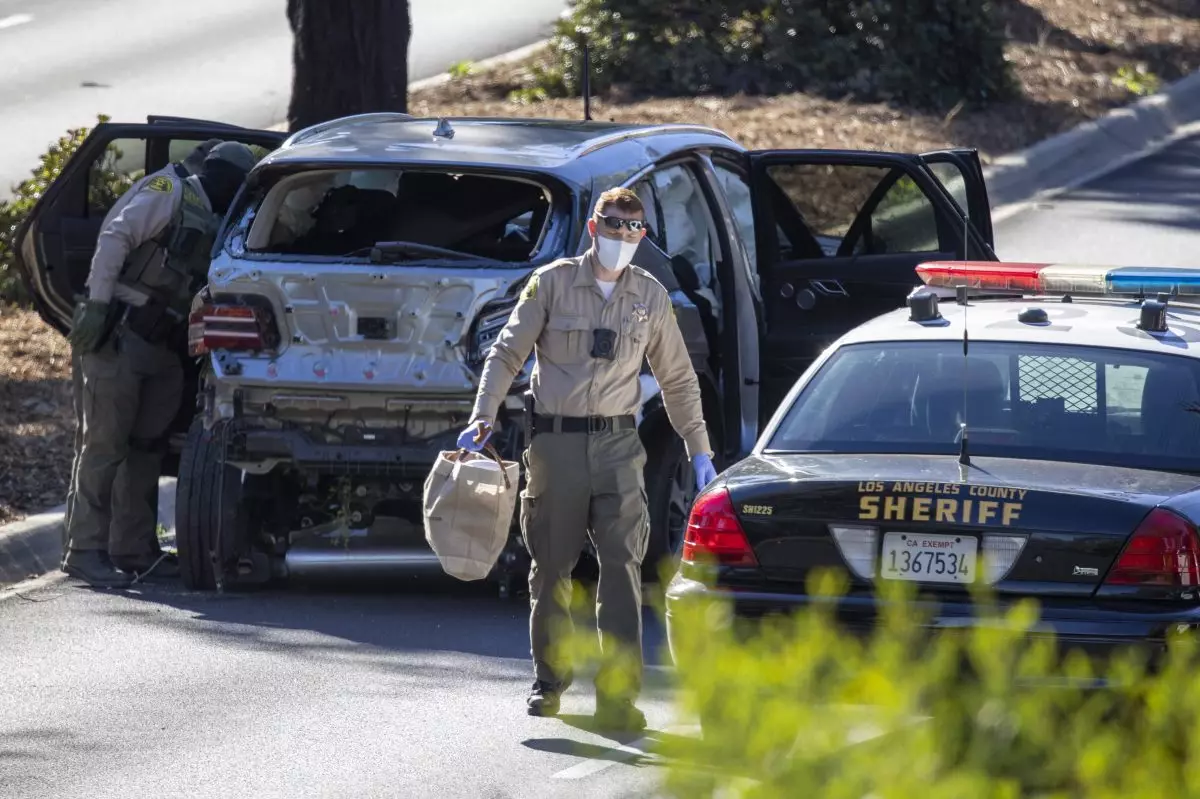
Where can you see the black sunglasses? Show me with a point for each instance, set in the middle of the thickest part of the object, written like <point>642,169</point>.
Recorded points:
<point>616,223</point>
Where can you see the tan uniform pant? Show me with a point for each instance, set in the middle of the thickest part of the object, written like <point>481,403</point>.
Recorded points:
<point>579,486</point>
<point>130,392</point>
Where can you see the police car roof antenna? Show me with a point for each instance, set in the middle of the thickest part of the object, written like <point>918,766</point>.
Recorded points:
<point>963,457</point>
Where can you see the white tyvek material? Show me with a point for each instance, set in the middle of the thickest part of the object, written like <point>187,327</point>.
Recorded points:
<point>650,390</point>
<point>684,220</point>
<point>737,193</point>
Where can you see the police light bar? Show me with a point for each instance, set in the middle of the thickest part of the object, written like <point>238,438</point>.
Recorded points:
<point>1030,278</point>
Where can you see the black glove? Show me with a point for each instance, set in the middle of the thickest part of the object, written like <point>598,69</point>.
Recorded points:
<point>88,325</point>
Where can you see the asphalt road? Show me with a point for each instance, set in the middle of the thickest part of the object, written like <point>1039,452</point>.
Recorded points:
<point>62,62</point>
<point>412,692</point>
<point>1146,213</point>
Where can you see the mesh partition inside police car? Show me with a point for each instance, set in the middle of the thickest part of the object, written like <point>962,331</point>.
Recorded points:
<point>1086,404</point>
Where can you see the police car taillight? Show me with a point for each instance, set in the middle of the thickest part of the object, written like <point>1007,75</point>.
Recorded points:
<point>226,327</point>
<point>714,532</point>
<point>1164,551</point>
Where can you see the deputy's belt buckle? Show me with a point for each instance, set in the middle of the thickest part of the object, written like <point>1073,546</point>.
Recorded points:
<point>598,424</point>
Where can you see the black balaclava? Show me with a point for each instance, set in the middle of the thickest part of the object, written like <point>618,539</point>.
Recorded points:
<point>220,180</point>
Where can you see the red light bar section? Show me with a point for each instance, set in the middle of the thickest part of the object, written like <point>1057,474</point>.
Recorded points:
<point>1003,276</point>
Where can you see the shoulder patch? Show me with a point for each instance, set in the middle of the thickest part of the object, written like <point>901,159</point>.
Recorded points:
<point>530,290</point>
<point>160,183</point>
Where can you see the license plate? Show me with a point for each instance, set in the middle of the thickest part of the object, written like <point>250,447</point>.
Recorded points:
<point>929,558</point>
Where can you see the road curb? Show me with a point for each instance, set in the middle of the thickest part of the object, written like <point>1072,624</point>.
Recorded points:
<point>1092,149</point>
<point>33,546</point>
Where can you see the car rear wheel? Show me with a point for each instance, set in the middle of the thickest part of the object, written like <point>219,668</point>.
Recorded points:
<point>670,489</point>
<point>210,517</point>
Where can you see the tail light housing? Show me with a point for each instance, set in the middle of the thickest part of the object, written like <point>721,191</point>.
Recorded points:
<point>1163,552</point>
<point>215,326</point>
<point>713,531</point>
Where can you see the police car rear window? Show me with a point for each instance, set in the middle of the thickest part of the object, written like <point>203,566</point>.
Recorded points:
<point>1081,404</point>
<point>343,213</point>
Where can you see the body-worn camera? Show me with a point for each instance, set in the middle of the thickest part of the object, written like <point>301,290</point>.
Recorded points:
<point>604,344</point>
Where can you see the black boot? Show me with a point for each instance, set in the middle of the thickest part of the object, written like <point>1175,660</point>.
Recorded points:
<point>544,698</point>
<point>161,565</point>
<point>94,568</point>
<point>618,715</point>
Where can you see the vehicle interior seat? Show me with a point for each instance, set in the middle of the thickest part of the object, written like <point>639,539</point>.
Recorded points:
<point>986,397</point>
<point>347,219</point>
<point>443,210</point>
<point>1171,412</point>
<point>860,414</point>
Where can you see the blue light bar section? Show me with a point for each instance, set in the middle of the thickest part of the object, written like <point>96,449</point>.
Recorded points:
<point>1180,280</point>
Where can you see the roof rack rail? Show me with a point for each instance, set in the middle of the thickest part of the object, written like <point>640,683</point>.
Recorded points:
<point>356,119</point>
<point>649,130</point>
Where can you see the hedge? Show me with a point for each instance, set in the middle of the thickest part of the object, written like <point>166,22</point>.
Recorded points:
<point>106,186</point>
<point>921,53</point>
<point>806,707</point>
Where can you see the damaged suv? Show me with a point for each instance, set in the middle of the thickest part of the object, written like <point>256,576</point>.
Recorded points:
<point>368,264</point>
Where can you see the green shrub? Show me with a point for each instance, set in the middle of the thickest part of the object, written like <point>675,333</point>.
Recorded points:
<point>805,708</point>
<point>107,183</point>
<point>930,53</point>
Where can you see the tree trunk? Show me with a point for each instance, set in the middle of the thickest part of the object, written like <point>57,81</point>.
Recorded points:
<point>347,58</point>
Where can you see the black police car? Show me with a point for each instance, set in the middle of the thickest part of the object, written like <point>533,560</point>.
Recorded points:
<point>1045,445</point>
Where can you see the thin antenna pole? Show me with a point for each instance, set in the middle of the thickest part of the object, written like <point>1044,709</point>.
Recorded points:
<point>966,236</point>
<point>587,81</point>
<point>964,456</point>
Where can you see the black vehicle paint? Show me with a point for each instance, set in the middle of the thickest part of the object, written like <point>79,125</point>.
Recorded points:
<point>1074,518</point>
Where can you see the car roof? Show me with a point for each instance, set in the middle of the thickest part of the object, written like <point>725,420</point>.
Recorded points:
<point>485,141</point>
<point>1085,321</point>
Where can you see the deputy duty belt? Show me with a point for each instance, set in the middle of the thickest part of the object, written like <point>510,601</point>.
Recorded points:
<point>582,424</point>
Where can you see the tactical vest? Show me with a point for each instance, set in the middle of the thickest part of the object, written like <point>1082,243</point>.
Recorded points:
<point>186,243</point>
<point>171,281</point>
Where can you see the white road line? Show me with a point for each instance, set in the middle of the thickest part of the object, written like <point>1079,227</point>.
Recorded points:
<point>623,753</point>
<point>15,20</point>
<point>593,765</point>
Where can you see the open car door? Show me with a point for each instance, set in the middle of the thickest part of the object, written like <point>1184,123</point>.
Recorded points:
<point>838,236</point>
<point>960,172</point>
<point>53,247</point>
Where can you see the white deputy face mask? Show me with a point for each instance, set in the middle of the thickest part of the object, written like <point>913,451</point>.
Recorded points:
<point>615,254</point>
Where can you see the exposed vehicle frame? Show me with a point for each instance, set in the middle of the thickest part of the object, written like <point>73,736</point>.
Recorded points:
<point>759,292</point>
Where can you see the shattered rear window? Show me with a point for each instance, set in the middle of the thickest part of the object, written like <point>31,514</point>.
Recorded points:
<point>345,212</point>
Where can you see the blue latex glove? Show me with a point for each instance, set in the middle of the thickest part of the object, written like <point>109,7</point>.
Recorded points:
<point>475,437</point>
<point>705,472</point>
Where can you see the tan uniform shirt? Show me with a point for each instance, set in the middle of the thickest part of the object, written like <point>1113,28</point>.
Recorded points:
<point>140,214</point>
<point>557,312</point>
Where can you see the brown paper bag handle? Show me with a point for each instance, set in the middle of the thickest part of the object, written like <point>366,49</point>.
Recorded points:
<point>491,450</point>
